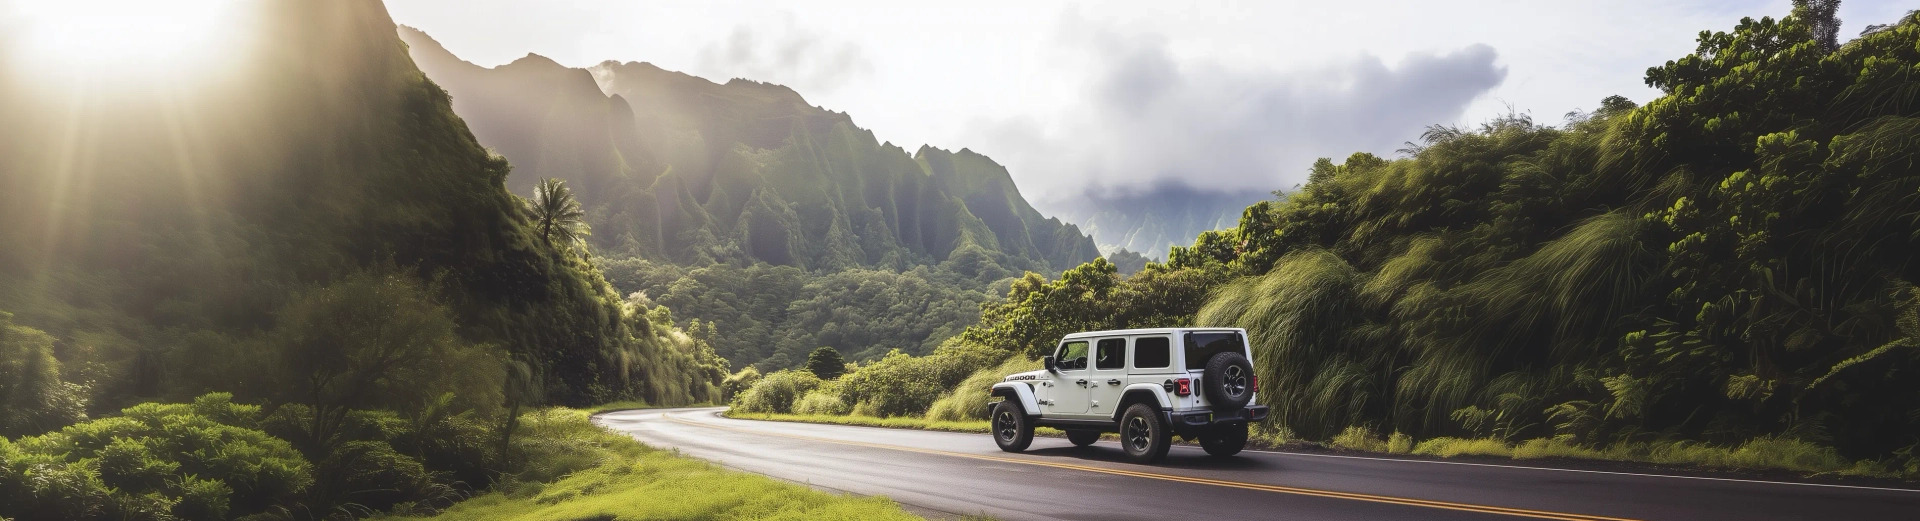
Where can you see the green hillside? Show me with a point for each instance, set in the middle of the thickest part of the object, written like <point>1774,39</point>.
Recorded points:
<point>739,204</point>
<point>1722,276</point>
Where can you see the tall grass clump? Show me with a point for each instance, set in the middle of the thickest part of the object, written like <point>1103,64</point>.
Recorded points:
<point>968,401</point>
<point>777,391</point>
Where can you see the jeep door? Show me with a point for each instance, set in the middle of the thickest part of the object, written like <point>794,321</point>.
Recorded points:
<point>1065,395</point>
<point>1108,378</point>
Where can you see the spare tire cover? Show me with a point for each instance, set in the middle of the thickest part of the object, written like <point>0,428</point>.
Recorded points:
<point>1228,381</point>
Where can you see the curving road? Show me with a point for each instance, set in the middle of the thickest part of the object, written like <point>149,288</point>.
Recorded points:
<point>947,474</point>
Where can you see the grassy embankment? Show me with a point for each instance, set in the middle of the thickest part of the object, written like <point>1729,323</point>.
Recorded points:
<point>588,472</point>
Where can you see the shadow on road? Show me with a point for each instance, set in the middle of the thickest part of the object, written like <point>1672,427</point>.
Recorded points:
<point>1176,459</point>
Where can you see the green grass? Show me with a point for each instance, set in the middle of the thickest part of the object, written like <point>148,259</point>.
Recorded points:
<point>631,481</point>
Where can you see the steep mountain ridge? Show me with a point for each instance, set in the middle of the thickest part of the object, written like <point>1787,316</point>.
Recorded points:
<point>677,168</point>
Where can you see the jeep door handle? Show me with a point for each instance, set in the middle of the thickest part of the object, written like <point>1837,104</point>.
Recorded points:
<point>1113,382</point>
<point>1083,383</point>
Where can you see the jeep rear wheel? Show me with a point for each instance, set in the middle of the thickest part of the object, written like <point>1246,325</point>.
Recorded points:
<point>1143,434</point>
<point>1083,438</point>
<point>1225,439</point>
<point>1012,429</point>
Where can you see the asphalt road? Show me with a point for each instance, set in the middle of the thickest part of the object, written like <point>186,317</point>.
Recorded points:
<point>943,473</point>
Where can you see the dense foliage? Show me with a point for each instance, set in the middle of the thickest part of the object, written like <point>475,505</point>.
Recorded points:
<point>1732,262</point>
<point>316,233</point>
<point>775,316</point>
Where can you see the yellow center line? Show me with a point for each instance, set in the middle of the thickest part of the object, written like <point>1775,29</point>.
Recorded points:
<point>1484,509</point>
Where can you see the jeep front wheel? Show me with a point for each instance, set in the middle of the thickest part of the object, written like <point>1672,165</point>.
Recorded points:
<point>1143,434</point>
<point>1012,430</point>
<point>1225,440</point>
<point>1083,438</point>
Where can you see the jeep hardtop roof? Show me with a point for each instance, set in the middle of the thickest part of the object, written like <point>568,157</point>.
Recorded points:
<point>1147,331</point>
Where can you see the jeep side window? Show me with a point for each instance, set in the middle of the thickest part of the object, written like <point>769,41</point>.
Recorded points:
<point>1073,355</point>
<point>1154,352</point>
<point>1110,353</point>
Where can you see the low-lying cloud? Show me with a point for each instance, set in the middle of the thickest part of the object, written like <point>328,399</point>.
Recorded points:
<point>788,54</point>
<point>1151,118</point>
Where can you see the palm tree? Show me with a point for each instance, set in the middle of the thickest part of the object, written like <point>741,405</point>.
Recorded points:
<point>556,213</point>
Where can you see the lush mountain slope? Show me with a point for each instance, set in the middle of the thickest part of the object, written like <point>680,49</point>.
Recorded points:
<point>741,206</point>
<point>1732,265</point>
<point>164,230</point>
<point>1152,221</point>
<point>676,168</point>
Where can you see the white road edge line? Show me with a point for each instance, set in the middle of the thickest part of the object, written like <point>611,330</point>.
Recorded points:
<point>1516,467</point>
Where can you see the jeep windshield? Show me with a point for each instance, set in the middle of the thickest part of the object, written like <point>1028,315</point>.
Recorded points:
<point>1202,346</point>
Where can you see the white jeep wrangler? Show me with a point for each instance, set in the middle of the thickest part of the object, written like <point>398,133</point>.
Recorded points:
<point>1146,384</point>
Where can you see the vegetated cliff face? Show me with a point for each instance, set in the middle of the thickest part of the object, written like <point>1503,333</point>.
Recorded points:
<point>154,221</point>
<point>674,167</point>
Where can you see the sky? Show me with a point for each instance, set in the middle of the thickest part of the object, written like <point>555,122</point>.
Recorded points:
<point>1119,97</point>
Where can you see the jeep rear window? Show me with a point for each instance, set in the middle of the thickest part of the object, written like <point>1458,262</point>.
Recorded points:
<point>1110,353</point>
<point>1153,352</point>
<point>1202,346</point>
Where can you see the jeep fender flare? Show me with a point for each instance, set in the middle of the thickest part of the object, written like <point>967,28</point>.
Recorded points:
<point>1147,393</point>
<point>1019,392</point>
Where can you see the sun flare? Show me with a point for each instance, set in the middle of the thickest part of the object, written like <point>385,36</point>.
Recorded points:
<point>123,40</point>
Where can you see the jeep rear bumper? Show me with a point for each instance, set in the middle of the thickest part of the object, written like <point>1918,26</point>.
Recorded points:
<point>1187,423</point>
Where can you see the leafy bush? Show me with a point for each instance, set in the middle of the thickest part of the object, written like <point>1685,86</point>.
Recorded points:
<point>777,391</point>
<point>821,402</point>
<point>203,460</point>
<point>904,385</point>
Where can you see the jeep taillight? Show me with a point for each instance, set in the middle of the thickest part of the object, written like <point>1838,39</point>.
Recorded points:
<point>1254,382</point>
<point>1183,387</point>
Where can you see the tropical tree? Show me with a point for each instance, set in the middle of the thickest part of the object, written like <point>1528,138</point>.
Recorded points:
<point>826,363</point>
<point>556,213</point>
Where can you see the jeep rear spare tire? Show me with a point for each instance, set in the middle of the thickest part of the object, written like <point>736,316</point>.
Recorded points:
<point>1012,429</point>
<point>1228,381</point>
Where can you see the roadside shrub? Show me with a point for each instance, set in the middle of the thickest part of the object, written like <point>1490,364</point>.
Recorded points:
<point>968,401</point>
<point>776,392</point>
<point>904,385</point>
<point>1399,443</point>
<point>738,382</point>
<point>1451,447</point>
<point>553,443</point>
<point>1554,448</point>
<point>821,401</point>
<point>154,461</point>
<point>1361,439</point>
<point>1270,432</point>
<point>369,474</point>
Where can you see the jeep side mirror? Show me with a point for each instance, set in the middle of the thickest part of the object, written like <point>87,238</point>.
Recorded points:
<point>1047,361</point>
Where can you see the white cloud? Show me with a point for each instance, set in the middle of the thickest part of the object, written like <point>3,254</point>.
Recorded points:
<point>1150,118</point>
<point>785,53</point>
